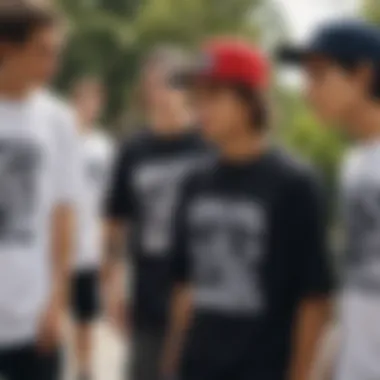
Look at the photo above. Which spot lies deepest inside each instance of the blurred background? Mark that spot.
(109, 38)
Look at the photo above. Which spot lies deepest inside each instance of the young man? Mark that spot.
(37, 187)
(250, 236)
(88, 99)
(142, 197)
(342, 67)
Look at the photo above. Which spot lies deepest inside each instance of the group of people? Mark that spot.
(226, 232)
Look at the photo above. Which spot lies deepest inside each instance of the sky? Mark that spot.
(302, 16)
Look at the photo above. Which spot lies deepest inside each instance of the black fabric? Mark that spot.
(237, 335)
(144, 184)
(85, 296)
(147, 349)
(27, 363)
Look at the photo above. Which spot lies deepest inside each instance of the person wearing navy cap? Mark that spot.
(250, 237)
(342, 64)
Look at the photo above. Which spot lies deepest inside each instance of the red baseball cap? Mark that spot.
(229, 61)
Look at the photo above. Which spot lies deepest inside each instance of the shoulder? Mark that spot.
(60, 115)
(54, 105)
(134, 145)
(195, 137)
(298, 178)
(292, 168)
(350, 162)
(102, 140)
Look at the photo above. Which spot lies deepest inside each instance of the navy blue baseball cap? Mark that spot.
(344, 41)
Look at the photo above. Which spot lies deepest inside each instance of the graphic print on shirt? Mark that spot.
(19, 171)
(363, 235)
(156, 186)
(226, 243)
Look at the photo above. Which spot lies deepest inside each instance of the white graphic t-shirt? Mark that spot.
(97, 156)
(360, 301)
(38, 154)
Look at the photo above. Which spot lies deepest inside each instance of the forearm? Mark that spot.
(328, 354)
(180, 317)
(62, 248)
(311, 322)
(113, 264)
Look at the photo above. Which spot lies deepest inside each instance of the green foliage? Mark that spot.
(318, 143)
(371, 10)
(108, 38)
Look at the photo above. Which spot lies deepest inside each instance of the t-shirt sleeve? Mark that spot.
(119, 197)
(68, 165)
(310, 233)
(181, 255)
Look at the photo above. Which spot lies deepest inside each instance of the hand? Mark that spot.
(50, 330)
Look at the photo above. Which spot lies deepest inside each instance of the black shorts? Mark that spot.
(27, 363)
(85, 296)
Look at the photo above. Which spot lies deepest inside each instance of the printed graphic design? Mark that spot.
(19, 171)
(227, 240)
(156, 185)
(363, 237)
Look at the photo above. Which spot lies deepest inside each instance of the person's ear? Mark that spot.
(365, 76)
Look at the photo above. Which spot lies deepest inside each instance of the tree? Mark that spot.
(109, 37)
(319, 144)
(371, 10)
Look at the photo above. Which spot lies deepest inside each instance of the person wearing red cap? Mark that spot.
(250, 237)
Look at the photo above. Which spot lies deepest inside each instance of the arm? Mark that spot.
(311, 321)
(313, 276)
(118, 209)
(181, 303)
(113, 273)
(180, 316)
(325, 364)
(63, 222)
(62, 237)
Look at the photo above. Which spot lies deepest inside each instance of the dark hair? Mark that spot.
(257, 104)
(19, 19)
(354, 64)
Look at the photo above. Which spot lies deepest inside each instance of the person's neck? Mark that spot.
(244, 148)
(173, 126)
(13, 88)
(367, 122)
(85, 126)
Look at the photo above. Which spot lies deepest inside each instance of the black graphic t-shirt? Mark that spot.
(251, 238)
(144, 192)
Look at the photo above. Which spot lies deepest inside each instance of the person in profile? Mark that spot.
(38, 187)
(341, 63)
